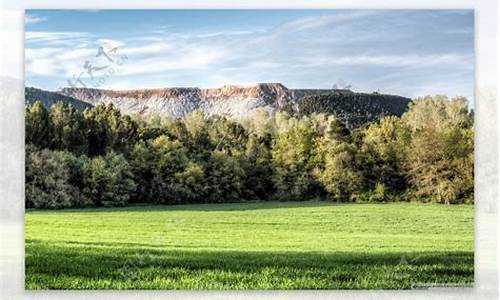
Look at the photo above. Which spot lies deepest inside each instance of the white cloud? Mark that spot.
(42, 67)
(307, 23)
(410, 60)
(228, 33)
(152, 48)
(47, 36)
(110, 43)
(31, 19)
(50, 38)
(142, 59)
(183, 58)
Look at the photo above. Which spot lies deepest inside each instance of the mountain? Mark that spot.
(48, 99)
(242, 101)
(231, 100)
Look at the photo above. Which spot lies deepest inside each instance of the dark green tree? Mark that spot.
(108, 180)
(68, 128)
(224, 177)
(38, 127)
(51, 180)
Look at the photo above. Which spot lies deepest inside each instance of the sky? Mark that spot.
(411, 53)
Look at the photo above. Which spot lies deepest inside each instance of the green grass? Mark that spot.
(263, 245)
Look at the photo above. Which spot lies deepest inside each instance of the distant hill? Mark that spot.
(234, 101)
(354, 109)
(48, 99)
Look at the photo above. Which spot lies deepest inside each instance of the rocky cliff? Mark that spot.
(232, 100)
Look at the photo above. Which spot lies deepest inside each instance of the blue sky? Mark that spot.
(407, 52)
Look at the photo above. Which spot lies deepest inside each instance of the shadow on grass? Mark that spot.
(93, 267)
(241, 206)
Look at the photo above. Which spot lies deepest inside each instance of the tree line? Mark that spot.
(100, 157)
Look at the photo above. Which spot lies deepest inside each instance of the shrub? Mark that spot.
(379, 194)
(224, 178)
(49, 178)
(108, 180)
(191, 184)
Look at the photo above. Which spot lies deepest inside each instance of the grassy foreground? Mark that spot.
(265, 245)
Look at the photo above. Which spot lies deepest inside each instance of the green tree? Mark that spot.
(108, 180)
(194, 134)
(191, 183)
(225, 178)
(440, 156)
(68, 128)
(37, 126)
(337, 171)
(50, 179)
(108, 129)
(227, 135)
(257, 165)
(155, 165)
(383, 153)
(291, 158)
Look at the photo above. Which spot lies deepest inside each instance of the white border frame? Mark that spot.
(12, 149)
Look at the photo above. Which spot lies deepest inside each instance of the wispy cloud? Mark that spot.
(31, 19)
(50, 38)
(308, 23)
(410, 60)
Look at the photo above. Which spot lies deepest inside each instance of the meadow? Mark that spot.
(258, 245)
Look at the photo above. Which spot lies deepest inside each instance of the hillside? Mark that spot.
(355, 109)
(48, 99)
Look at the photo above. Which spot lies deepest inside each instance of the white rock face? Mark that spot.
(231, 100)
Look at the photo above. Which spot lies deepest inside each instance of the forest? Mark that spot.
(101, 157)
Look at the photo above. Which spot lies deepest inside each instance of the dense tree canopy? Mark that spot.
(100, 157)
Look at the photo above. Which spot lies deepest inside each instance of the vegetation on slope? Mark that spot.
(31, 95)
(353, 109)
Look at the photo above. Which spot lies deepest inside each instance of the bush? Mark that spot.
(51, 179)
(108, 180)
(379, 193)
(225, 178)
(191, 184)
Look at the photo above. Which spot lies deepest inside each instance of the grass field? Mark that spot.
(273, 245)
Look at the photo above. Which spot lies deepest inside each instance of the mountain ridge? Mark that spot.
(232, 100)
(235, 101)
